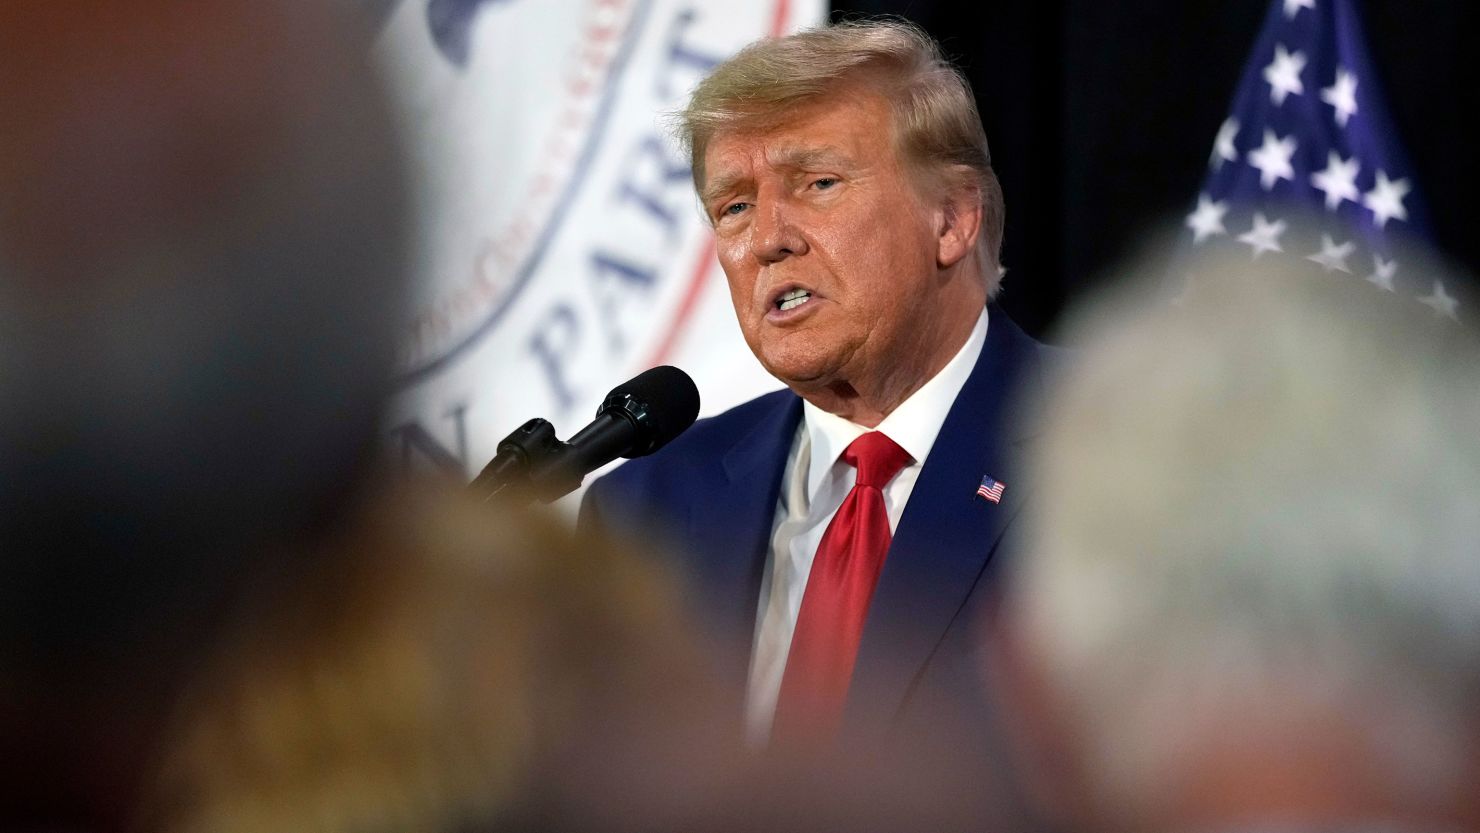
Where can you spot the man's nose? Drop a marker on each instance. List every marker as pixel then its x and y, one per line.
pixel 774 233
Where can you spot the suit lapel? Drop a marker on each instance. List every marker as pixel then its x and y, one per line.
pixel 947 533
pixel 735 531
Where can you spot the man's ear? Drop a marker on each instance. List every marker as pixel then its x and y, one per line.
pixel 960 221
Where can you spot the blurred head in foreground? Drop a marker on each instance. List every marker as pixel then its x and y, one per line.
pixel 200 272
pixel 445 667
pixel 1255 594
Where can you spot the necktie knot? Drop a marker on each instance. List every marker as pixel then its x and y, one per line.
pixel 877 459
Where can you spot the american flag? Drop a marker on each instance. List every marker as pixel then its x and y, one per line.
pixel 991 489
pixel 1309 135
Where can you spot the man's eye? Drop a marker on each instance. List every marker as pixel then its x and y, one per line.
pixel 733 208
pixel 824 183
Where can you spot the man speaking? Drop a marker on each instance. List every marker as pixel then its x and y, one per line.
pixel 842 531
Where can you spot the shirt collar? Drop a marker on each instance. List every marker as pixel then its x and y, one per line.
pixel 914 424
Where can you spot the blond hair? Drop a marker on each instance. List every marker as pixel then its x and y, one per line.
pixel 937 131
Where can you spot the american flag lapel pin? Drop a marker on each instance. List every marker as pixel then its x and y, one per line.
pixel 991 490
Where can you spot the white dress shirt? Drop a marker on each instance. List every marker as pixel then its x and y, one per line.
pixel 812 488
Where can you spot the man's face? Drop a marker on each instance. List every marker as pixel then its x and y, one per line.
pixel 830 250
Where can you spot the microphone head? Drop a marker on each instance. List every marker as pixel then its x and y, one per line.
pixel 662 402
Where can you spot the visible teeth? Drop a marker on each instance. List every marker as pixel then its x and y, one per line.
pixel 794 298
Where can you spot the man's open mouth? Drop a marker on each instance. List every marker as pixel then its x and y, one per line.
pixel 793 299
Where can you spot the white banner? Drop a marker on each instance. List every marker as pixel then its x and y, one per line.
pixel 561 249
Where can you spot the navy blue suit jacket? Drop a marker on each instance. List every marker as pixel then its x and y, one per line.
pixel 711 498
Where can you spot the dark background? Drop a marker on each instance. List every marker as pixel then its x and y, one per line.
pixel 1101 115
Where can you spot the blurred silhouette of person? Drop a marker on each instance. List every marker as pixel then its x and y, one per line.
pixel 201 267
pixel 444 666
pixel 1253 598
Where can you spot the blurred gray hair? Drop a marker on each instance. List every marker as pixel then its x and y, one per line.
pixel 1269 495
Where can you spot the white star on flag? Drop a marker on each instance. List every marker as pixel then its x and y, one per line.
pixel 1284 74
pixel 1342 95
pixel 1441 302
pixel 1264 236
pixel 1332 257
pixel 1273 159
pixel 1207 220
pixel 1223 147
pixel 1306 111
pixel 1383 273
pixel 1293 7
pixel 1386 199
pixel 1339 180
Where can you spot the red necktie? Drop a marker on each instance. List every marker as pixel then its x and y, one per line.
pixel 824 645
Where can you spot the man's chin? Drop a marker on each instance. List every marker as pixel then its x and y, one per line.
pixel 802 375
pixel 804 360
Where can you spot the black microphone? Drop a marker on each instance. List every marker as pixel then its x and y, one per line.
pixel 637 418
